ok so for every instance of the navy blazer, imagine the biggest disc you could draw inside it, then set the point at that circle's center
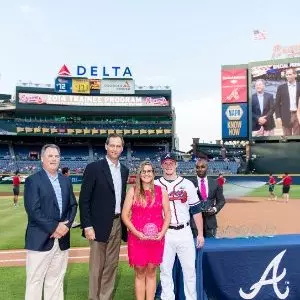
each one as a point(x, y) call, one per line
point(215, 193)
point(97, 199)
point(268, 111)
point(43, 212)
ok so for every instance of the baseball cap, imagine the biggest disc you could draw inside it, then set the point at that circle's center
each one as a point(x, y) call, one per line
point(166, 156)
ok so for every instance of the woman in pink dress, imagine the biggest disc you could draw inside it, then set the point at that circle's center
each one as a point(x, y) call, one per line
point(146, 213)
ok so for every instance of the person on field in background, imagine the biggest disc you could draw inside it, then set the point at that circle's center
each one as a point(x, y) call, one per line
point(221, 180)
point(16, 187)
point(271, 184)
point(286, 184)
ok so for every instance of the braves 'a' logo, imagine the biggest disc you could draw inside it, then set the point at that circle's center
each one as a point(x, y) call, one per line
point(255, 288)
point(180, 195)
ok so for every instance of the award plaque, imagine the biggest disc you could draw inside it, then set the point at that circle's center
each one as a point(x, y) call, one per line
point(150, 230)
point(206, 205)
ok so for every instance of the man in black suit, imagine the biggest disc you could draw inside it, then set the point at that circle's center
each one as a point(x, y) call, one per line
point(51, 207)
point(208, 190)
point(101, 200)
point(262, 111)
point(287, 99)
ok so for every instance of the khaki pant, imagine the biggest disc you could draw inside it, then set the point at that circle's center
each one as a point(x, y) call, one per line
point(295, 126)
point(46, 268)
point(104, 258)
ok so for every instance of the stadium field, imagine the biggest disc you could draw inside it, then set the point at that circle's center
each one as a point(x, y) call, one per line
point(13, 220)
point(264, 191)
point(76, 282)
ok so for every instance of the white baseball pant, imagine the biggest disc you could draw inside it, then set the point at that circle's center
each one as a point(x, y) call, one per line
point(179, 242)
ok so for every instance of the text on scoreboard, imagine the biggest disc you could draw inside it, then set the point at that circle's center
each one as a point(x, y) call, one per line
point(234, 121)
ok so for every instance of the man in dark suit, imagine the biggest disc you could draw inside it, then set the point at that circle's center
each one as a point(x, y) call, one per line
point(262, 111)
point(287, 99)
point(51, 207)
point(208, 190)
point(101, 200)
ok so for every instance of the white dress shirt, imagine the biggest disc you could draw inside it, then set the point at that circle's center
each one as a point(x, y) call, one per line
point(292, 94)
point(115, 171)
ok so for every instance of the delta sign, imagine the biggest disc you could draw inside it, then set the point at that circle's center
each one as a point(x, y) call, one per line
point(96, 71)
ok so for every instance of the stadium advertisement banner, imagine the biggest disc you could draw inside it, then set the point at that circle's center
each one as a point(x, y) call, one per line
point(87, 131)
point(234, 85)
point(234, 121)
point(63, 85)
point(117, 86)
point(274, 106)
point(78, 100)
point(95, 84)
point(80, 86)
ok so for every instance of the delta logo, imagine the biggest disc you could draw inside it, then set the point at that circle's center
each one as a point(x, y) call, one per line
point(97, 72)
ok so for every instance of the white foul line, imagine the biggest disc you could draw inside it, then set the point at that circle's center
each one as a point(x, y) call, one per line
point(71, 257)
point(71, 249)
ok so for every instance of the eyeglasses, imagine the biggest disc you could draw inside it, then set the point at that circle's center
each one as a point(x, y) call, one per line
point(144, 172)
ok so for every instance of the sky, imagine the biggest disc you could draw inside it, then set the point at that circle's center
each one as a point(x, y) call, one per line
point(182, 44)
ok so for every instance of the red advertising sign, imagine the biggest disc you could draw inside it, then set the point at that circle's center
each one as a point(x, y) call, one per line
point(234, 85)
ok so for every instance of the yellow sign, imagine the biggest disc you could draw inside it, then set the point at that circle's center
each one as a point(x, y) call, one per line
point(95, 131)
point(81, 86)
point(167, 131)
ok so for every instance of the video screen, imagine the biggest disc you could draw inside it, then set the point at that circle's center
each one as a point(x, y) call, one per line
point(274, 102)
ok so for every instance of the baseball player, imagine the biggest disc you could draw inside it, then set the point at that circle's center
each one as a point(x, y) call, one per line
point(179, 239)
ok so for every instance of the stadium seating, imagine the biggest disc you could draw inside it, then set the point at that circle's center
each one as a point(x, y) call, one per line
point(76, 157)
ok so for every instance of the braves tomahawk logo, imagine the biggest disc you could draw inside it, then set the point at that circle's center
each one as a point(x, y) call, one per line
point(255, 288)
point(234, 95)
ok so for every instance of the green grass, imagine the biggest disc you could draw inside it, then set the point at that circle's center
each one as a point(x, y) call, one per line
point(76, 282)
point(264, 191)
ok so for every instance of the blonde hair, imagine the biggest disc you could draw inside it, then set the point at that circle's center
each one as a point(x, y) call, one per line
point(139, 192)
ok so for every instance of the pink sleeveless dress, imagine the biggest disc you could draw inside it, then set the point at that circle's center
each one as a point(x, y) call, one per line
point(143, 252)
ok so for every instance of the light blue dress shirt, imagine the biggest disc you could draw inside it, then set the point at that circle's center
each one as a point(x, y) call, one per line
point(57, 189)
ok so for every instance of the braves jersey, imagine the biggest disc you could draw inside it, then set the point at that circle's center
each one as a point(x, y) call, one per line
point(182, 196)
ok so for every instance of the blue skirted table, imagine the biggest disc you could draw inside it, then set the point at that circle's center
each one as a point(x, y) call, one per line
point(246, 268)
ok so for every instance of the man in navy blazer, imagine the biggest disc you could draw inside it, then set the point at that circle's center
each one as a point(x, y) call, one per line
point(101, 200)
point(287, 101)
point(263, 108)
point(51, 207)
